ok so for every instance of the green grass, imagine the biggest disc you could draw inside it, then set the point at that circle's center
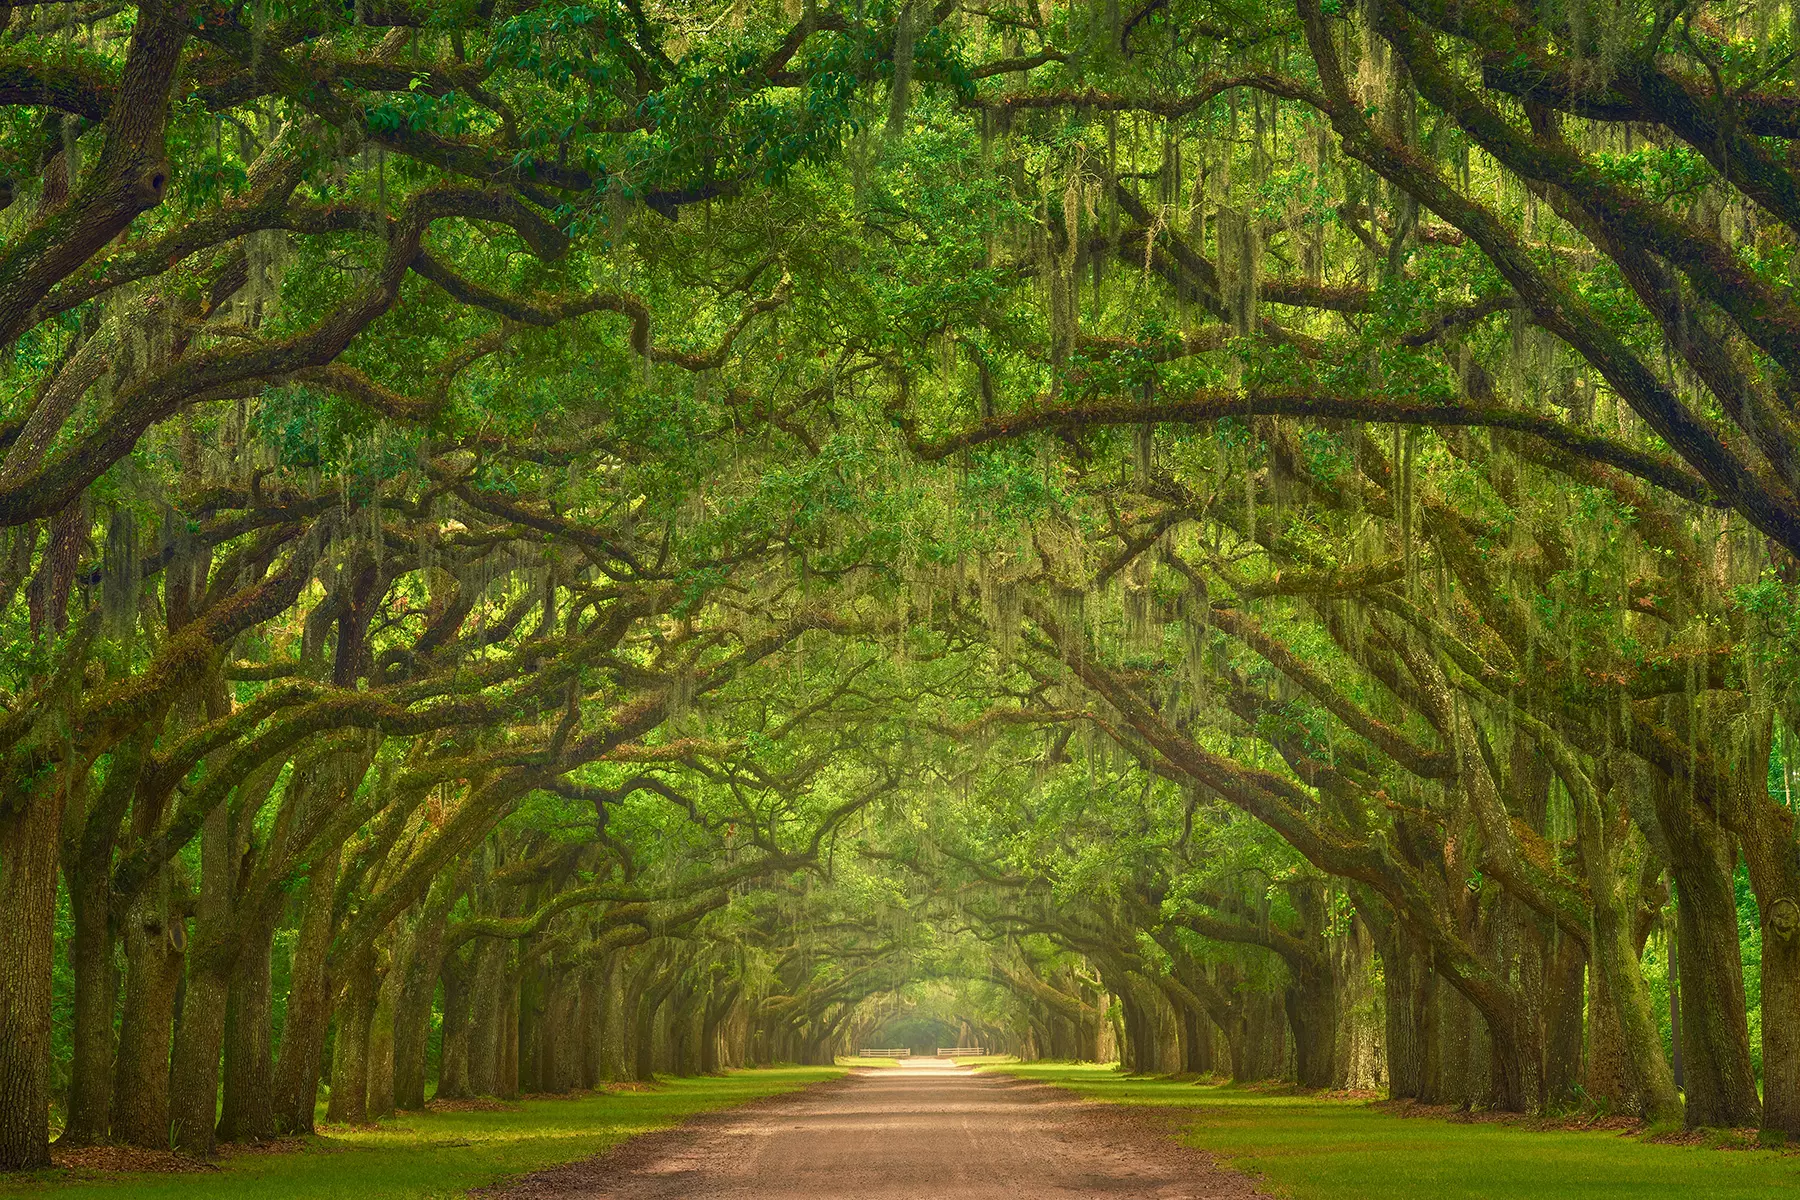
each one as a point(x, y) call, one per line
point(440, 1154)
point(1315, 1149)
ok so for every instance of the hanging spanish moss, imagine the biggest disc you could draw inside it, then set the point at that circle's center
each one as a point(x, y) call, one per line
point(121, 572)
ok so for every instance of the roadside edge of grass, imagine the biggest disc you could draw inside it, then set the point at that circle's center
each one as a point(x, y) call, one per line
point(1321, 1147)
point(440, 1153)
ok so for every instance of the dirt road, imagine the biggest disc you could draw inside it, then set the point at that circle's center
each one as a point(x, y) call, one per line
point(924, 1132)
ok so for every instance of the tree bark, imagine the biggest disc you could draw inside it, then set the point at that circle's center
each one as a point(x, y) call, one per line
point(308, 1005)
point(152, 975)
point(30, 829)
point(1772, 861)
point(1721, 1087)
point(453, 1060)
point(485, 1021)
point(200, 1033)
point(95, 1004)
point(412, 1017)
point(383, 1020)
point(248, 1110)
point(348, 1103)
point(613, 1066)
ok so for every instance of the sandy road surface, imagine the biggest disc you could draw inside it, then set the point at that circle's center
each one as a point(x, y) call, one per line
point(928, 1131)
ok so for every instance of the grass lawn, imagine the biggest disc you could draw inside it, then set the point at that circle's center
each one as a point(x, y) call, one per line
point(1312, 1149)
point(439, 1154)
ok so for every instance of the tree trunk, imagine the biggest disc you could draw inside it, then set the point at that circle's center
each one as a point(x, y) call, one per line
point(1772, 860)
point(453, 1060)
point(200, 1034)
point(509, 1039)
point(152, 975)
point(412, 1018)
point(1311, 1004)
point(592, 1013)
point(383, 1036)
point(95, 1005)
point(349, 1100)
point(30, 828)
point(194, 1076)
point(1715, 1030)
point(1409, 1012)
point(644, 1034)
point(484, 1024)
point(613, 1066)
point(248, 1111)
point(308, 1006)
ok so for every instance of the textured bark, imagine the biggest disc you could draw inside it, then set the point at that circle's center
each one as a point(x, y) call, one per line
point(95, 1003)
point(1565, 976)
point(590, 1014)
point(650, 1002)
point(30, 826)
point(1196, 1043)
point(152, 974)
point(308, 1005)
point(384, 1018)
point(613, 1064)
point(719, 1007)
point(559, 1044)
point(1312, 1012)
point(247, 1113)
point(1772, 861)
point(453, 1061)
point(194, 1075)
point(1781, 1010)
point(349, 1100)
point(418, 987)
point(485, 1020)
point(87, 865)
point(534, 1016)
point(1406, 975)
point(200, 1036)
point(509, 1040)
point(1721, 1087)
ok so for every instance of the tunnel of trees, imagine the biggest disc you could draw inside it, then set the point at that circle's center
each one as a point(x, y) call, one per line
point(545, 542)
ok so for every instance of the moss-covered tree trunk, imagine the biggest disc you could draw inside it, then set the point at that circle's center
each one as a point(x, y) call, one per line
point(1715, 1031)
point(614, 1065)
point(247, 1109)
point(200, 1032)
point(95, 1002)
point(349, 1100)
point(308, 1019)
point(382, 1021)
point(30, 826)
point(453, 1059)
point(508, 1065)
point(1766, 829)
point(486, 1014)
point(153, 941)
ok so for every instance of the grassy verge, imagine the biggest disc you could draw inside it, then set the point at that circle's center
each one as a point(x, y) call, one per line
point(438, 1154)
point(1309, 1148)
point(864, 1060)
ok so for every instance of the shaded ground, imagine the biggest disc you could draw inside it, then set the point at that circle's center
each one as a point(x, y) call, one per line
point(919, 1131)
